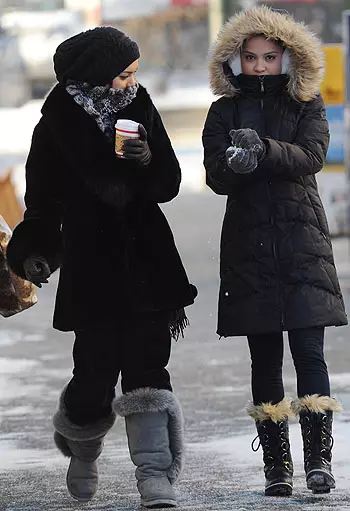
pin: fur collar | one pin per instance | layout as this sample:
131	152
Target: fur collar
306	68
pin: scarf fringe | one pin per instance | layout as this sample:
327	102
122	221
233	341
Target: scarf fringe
177	324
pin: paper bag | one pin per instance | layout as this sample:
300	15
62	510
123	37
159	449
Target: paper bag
16	294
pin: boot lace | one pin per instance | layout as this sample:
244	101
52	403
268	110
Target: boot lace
321	444
279	453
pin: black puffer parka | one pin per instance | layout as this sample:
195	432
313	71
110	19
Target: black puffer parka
277	269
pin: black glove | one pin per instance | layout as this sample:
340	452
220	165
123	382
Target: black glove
241	161
248	139
138	148
37	270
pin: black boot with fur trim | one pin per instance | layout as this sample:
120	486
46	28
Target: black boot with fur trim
316	417
273	433
83	445
154	427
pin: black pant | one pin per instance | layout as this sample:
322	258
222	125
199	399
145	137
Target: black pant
138	348
306	347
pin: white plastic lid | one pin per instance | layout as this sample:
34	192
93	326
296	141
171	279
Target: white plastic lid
127	125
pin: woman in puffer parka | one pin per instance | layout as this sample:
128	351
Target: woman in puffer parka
264	141
122	285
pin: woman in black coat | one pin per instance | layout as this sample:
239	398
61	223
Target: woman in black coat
264	141
122	286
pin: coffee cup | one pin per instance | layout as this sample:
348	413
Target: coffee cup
124	130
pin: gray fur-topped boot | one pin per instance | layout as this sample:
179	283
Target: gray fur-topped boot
154	426
315	418
83	445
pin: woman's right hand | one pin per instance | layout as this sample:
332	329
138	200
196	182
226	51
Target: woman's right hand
37	270
248	139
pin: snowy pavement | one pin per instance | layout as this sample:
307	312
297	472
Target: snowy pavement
210	376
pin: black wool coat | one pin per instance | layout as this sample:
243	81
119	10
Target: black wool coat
277	269
97	217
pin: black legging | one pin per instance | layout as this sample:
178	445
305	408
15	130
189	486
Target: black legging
266	353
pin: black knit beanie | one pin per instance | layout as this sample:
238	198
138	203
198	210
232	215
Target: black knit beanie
95	56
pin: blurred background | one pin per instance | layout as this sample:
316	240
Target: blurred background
174	36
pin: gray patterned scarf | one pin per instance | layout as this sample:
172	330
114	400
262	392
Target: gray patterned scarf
101	102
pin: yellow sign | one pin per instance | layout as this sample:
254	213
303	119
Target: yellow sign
333	85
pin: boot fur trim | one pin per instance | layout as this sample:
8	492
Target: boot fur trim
65	429
316	403
267	411
157	400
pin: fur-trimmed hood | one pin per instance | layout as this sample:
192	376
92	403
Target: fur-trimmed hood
306	67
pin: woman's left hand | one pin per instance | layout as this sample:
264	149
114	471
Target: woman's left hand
138	148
